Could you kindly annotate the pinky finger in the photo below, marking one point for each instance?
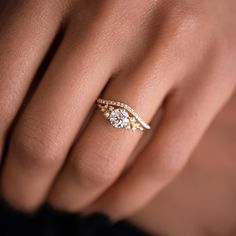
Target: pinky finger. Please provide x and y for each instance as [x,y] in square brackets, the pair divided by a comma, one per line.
[178,133]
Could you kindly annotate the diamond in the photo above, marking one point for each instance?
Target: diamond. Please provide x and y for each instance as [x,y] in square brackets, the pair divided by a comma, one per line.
[111,108]
[119,118]
[106,114]
[132,119]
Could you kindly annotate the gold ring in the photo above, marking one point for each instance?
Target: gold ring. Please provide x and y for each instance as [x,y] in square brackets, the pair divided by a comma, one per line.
[121,115]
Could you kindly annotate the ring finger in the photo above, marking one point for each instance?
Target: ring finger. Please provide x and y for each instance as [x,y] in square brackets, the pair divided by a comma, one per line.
[99,156]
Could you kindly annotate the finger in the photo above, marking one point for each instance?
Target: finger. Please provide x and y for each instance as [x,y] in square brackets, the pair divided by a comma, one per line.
[25,38]
[52,119]
[102,151]
[181,128]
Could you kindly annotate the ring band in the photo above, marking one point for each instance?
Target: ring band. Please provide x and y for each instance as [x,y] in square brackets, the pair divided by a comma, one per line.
[121,115]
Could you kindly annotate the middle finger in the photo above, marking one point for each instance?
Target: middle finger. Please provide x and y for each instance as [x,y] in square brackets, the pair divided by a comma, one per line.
[52,119]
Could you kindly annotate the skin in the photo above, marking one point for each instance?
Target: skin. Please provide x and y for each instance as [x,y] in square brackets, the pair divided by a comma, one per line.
[201,199]
[172,61]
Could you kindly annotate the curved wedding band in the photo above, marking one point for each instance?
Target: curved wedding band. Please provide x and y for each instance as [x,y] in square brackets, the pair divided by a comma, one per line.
[121,115]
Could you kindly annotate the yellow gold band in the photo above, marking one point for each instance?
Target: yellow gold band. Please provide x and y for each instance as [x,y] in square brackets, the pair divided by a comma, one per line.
[121,115]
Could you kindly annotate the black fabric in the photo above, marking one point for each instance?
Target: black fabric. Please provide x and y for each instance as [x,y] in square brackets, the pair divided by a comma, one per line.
[49,222]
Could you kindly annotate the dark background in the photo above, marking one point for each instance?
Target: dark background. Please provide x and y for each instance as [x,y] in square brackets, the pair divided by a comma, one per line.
[50,222]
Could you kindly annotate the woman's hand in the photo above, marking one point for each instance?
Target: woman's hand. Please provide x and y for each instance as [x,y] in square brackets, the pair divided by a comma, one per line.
[174,56]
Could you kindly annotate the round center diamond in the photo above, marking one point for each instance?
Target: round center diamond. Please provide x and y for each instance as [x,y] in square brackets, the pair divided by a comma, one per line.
[119,118]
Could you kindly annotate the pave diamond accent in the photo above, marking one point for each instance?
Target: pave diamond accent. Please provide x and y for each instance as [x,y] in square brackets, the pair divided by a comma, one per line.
[123,116]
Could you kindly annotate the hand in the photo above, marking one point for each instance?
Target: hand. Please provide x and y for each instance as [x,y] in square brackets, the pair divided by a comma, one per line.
[174,56]
[200,201]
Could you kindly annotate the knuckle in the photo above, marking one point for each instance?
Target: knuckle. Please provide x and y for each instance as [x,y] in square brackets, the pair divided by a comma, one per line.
[185,16]
[40,4]
[94,171]
[165,166]
[63,206]
[23,203]
[33,150]
[169,164]
[20,204]
[50,8]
